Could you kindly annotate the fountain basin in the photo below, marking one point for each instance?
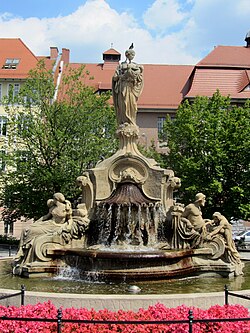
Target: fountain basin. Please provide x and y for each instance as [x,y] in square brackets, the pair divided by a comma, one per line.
[141,265]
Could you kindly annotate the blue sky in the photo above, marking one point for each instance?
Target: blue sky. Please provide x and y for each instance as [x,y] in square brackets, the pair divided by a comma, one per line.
[163,31]
[51,8]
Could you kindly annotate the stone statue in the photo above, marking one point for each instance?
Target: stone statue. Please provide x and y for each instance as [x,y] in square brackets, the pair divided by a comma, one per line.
[86,186]
[58,219]
[80,221]
[58,227]
[189,227]
[127,84]
[193,214]
[220,225]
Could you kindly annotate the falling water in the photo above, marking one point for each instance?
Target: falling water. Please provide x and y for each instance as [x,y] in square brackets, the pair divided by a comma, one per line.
[129,224]
[68,273]
[118,222]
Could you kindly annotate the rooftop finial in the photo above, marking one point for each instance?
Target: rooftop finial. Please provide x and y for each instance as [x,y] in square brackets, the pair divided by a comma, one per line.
[247,39]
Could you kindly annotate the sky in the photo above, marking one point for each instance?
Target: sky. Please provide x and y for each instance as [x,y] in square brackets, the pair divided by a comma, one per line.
[162,31]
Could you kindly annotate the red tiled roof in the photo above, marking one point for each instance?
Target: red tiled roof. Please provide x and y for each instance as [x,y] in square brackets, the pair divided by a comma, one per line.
[164,85]
[227,69]
[49,63]
[244,80]
[228,81]
[97,75]
[16,49]
[111,65]
[111,51]
[227,56]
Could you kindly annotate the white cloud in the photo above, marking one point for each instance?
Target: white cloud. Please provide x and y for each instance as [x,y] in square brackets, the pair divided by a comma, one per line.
[186,30]
[164,14]
[216,22]
[89,31]
[32,31]
[242,7]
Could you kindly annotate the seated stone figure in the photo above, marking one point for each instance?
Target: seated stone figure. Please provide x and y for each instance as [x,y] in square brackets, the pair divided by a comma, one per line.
[191,230]
[59,226]
[189,227]
[192,214]
[221,226]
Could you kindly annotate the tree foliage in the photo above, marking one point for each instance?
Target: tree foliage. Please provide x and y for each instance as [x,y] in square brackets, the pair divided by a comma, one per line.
[53,140]
[209,150]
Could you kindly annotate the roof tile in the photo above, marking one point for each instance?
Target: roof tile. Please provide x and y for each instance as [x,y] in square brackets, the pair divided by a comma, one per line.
[15,48]
[227,56]
[164,85]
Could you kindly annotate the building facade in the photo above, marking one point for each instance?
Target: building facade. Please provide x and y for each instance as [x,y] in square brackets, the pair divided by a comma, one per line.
[16,61]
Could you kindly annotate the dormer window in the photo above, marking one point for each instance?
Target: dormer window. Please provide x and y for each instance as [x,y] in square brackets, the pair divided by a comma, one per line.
[11,63]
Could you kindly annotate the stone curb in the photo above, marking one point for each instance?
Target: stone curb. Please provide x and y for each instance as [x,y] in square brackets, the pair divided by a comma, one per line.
[124,302]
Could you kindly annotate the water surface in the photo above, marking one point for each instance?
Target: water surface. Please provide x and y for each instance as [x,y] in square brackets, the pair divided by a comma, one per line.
[69,282]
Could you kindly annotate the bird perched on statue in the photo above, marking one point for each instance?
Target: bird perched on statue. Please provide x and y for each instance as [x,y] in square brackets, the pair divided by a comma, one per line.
[131,46]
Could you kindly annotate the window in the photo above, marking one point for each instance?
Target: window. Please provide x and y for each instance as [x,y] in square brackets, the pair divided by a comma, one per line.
[8,227]
[11,63]
[13,90]
[160,122]
[3,125]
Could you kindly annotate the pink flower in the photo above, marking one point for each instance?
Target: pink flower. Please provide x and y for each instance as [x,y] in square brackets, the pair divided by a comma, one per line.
[156,312]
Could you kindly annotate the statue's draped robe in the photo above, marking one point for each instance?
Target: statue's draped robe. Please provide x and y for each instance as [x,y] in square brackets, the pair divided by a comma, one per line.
[127,86]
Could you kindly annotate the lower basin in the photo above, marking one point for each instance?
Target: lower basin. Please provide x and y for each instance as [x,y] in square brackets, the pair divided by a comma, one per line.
[68,281]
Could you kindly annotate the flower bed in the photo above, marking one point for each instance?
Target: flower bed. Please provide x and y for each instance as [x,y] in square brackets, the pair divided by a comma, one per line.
[157,312]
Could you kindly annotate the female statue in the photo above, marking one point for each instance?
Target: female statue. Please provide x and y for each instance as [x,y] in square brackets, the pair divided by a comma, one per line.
[56,229]
[58,220]
[127,84]
[221,226]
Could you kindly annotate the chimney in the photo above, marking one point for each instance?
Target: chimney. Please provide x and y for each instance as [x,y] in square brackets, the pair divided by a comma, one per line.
[53,52]
[65,55]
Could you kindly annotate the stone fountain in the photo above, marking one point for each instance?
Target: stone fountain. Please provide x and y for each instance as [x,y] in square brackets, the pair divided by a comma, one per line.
[127,225]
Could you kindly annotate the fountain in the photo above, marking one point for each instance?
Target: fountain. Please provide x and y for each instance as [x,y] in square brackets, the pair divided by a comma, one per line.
[127,225]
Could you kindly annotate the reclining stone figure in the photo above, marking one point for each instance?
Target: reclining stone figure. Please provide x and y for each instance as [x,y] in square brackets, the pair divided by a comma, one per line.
[57,228]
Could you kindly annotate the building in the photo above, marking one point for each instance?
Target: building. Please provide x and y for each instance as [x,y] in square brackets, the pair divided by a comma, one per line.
[16,60]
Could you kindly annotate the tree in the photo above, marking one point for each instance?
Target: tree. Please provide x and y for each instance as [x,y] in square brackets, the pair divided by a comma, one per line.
[209,150]
[53,140]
